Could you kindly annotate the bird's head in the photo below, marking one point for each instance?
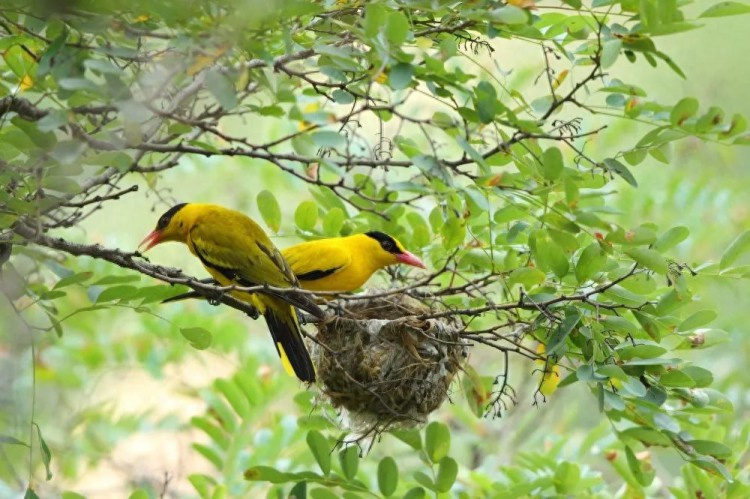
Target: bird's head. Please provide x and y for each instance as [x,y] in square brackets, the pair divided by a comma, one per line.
[386,250]
[172,226]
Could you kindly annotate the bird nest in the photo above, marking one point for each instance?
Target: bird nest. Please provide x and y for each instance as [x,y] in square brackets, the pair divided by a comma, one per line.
[383,366]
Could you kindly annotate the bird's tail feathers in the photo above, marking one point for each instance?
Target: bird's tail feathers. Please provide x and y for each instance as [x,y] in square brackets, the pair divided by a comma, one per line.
[287,336]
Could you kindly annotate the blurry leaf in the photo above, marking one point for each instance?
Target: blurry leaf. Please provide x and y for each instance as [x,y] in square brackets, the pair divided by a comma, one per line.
[222,88]
[726,9]
[715,449]
[508,15]
[328,139]
[526,276]
[617,167]
[567,477]
[199,338]
[642,477]
[400,76]
[419,492]
[684,109]
[738,248]
[676,378]
[645,435]
[610,52]
[446,475]
[306,215]
[349,460]
[6,439]
[437,441]
[590,262]
[552,163]
[73,279]
[121,292]
[563,330]
[267,474]
[46,454]
[651,259]
[30,494]
[387,476]
[333,221]
[320,449]
[701,377]
[697,319]
[410,437]
[397,27]
[671,238]
[642,351]
[299,491]
[269,209]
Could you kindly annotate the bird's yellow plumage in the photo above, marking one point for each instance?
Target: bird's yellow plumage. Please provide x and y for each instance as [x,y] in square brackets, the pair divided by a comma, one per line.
[236,251]
[345,263]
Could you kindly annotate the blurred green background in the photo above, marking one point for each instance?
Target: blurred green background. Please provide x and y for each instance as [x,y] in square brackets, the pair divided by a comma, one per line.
[136,383]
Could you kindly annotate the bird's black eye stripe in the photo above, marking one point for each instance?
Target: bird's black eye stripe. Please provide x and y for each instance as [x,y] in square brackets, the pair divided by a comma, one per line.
[167,216]
[386,241]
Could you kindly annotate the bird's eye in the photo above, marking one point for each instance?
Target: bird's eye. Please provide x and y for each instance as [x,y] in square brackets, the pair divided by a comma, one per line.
[387,245]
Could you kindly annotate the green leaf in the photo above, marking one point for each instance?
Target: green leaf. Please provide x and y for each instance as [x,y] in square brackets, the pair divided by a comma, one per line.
[552,163]
[397,27]
[437,441]
[701,377]
[686,108]
[30,494]
[642,351]
[199,338]
[712,448]
[698,319]
[46,454]
[726,9]
[567,477]
[122,292]
[648,436]
[620,169]
[610,52]
[6,439]
[328,139]
[446,475]
[267,474]
[222,88]
[387,476]
[349,460]
[563,330]
[306,215]
[269,209]
[73,279]
[671,238]
[649,258]
[299,491]
[738,248]
[591,261]
[320,449]
[400,76]
[643,478]
[509,14]
[412,438]
[419,492]
[677,379]
[526,276]
[333,221]
[550,256]
[374,19]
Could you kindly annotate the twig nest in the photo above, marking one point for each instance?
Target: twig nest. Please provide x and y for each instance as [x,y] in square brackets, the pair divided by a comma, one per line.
[383,366]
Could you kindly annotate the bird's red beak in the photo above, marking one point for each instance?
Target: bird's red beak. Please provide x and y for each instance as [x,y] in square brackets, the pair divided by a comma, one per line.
[150,240]
[410,259]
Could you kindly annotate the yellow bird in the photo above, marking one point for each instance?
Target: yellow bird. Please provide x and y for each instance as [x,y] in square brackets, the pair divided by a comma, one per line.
[345,263]
[235,251]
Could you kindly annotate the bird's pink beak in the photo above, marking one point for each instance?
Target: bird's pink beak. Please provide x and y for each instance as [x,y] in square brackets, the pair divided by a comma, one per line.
[410,259]
[151,240]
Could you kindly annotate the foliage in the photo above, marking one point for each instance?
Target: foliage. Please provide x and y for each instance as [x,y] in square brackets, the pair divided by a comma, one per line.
[475,133]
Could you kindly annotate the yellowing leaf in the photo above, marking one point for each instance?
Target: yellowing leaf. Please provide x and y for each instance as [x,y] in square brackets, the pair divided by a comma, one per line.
[142,18]
[381,77]
[26,83]
[560,78]
[205,59]
[524,4]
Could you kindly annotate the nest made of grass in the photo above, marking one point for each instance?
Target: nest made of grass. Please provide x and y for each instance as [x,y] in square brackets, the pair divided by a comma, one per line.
[383,365]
